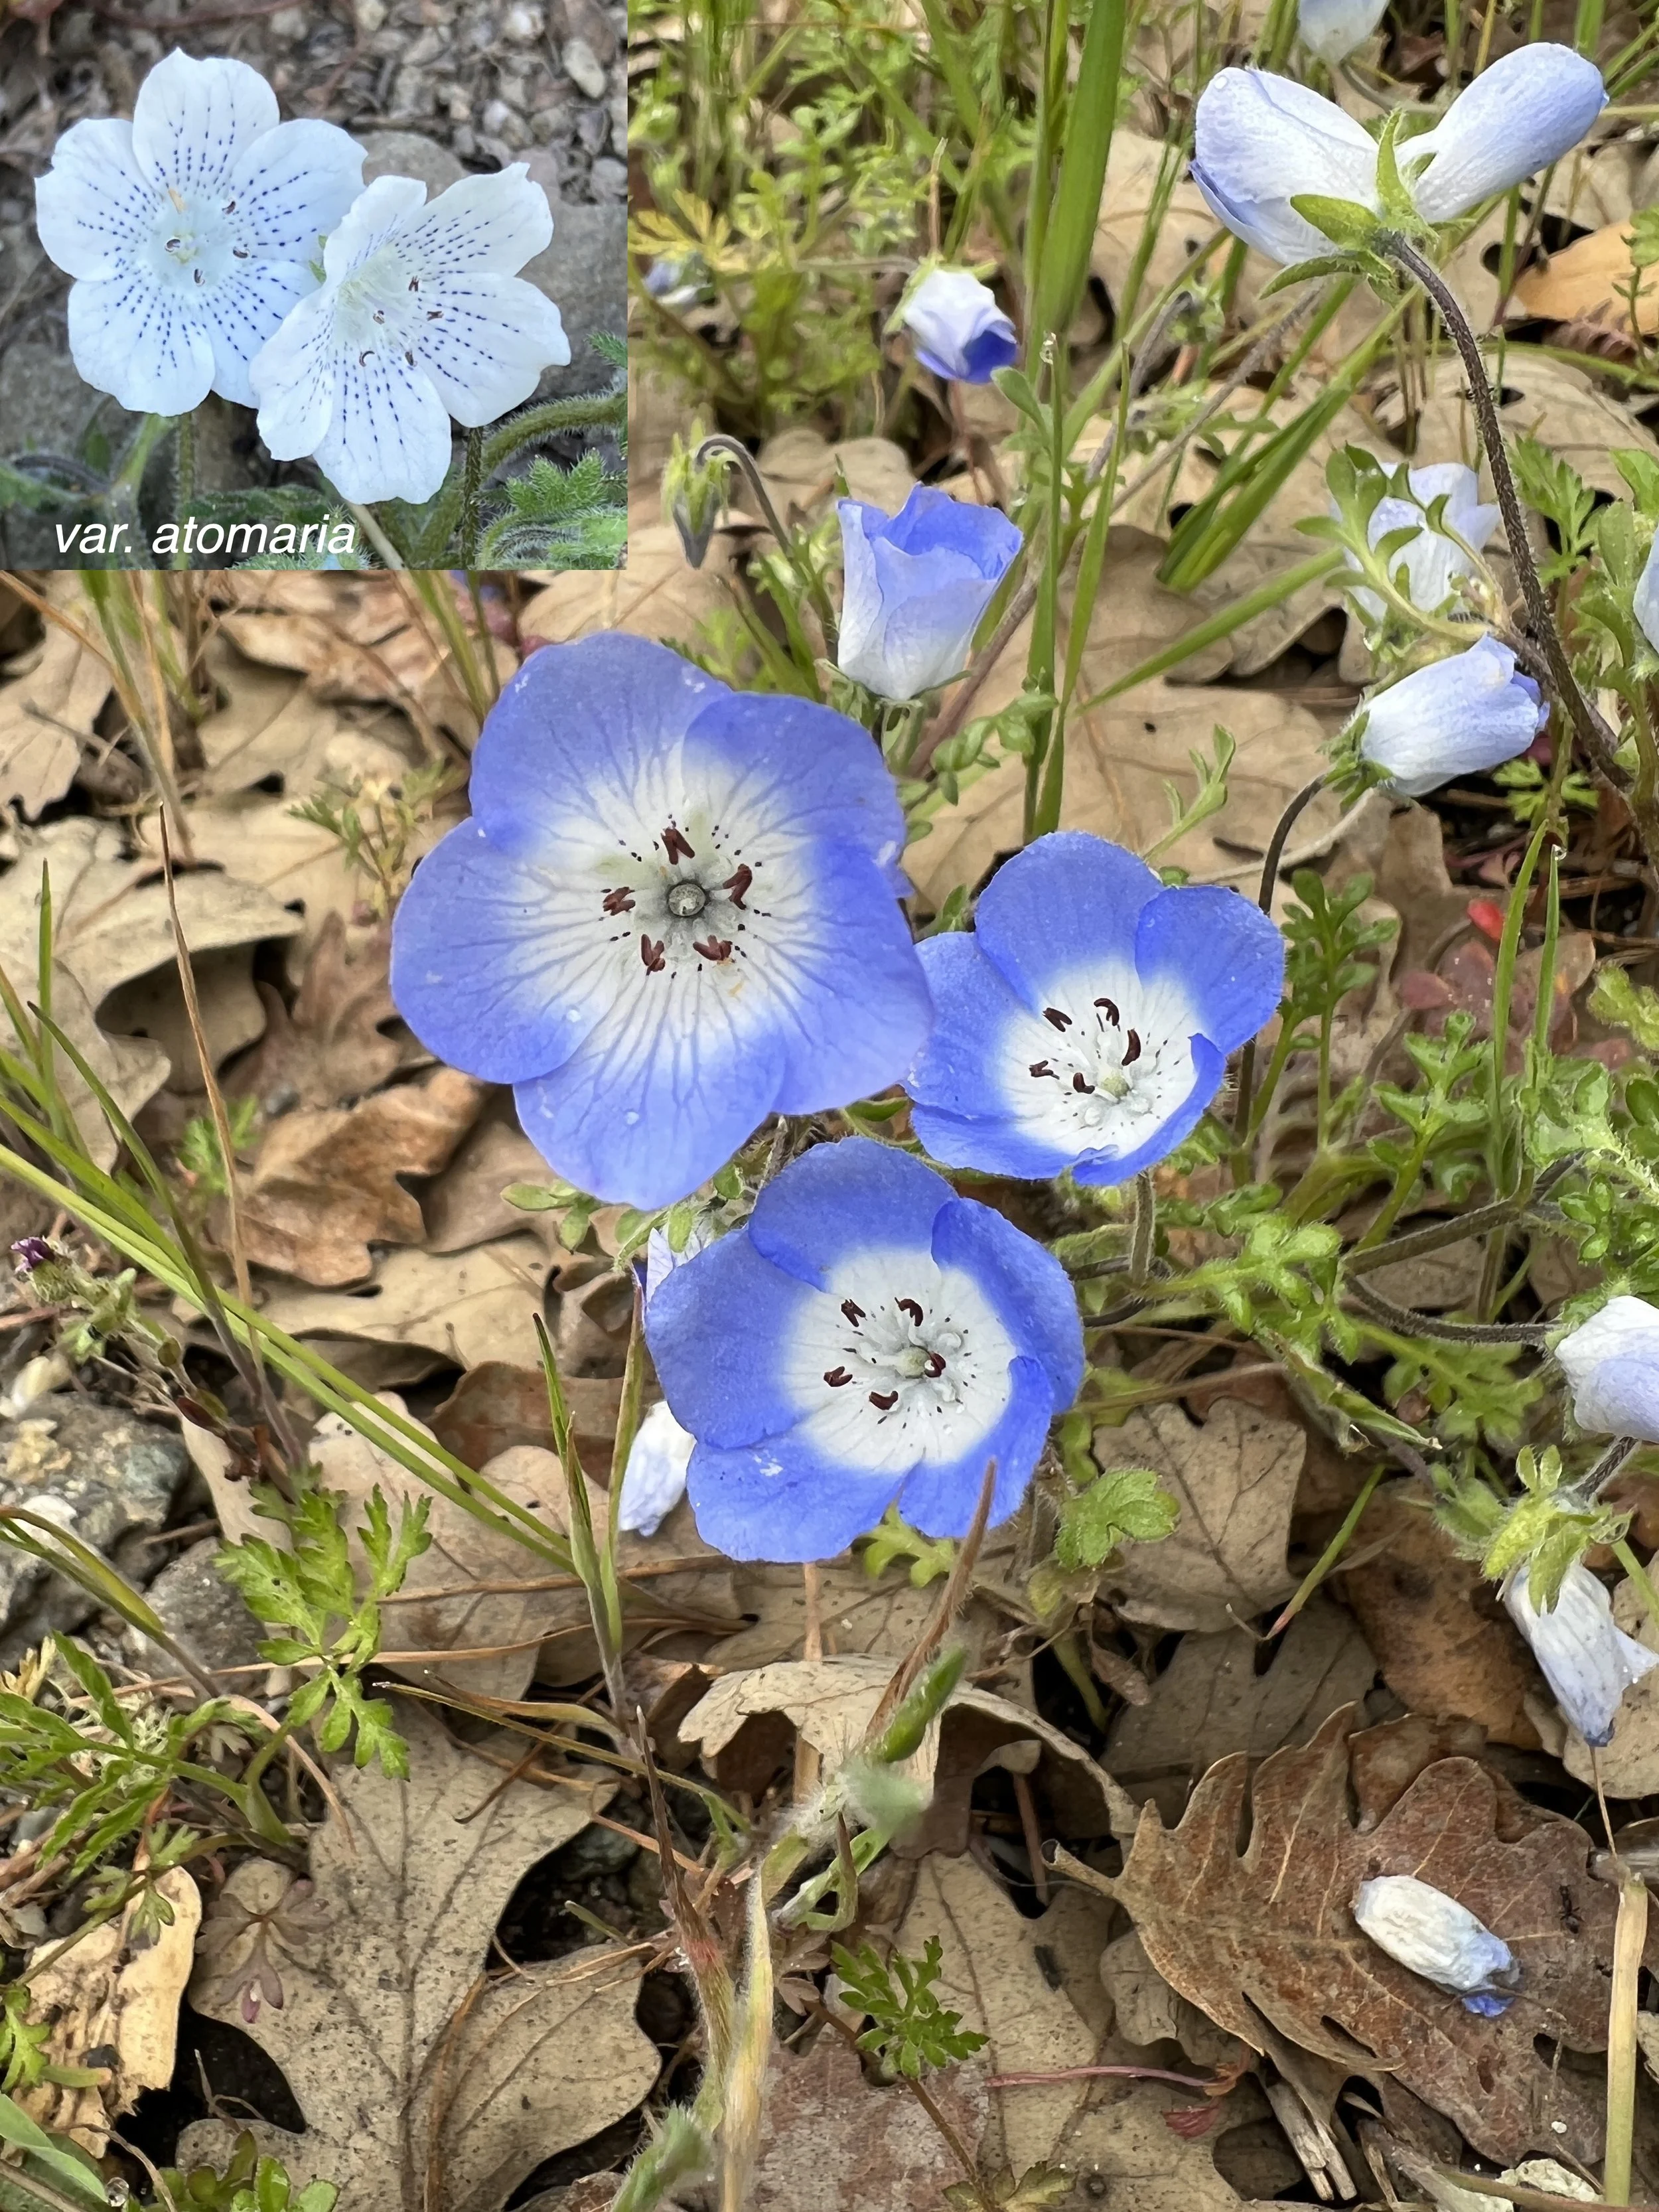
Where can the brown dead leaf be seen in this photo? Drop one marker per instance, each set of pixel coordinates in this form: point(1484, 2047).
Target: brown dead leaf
point(1146, 2010)
point(658, 595)
point(1215, 1697)
point(464, 1206)
point(1560, 404)
point(1590, 280)
point(801, 467)
point(1235, 1475)
point(47, 708)
point(1443, 1649)
point(325, 1187)
point(1266, 1935)
point(494, 1406)
point(882, 1617)
point(109, 1994)
point(458, 1309)
point(423, 2083)
point(832, 2143)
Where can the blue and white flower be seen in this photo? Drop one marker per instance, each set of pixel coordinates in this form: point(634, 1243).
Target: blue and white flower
point(671, 915)
point(1333, 29)
point(654, 1481)
point(868, 1339)
point(917, 583)
point(1085, 1023)
point(420, 316)
point(189, 231)
point(1456, 717)
point(1263, 141)
point(1432, 1934)
point(1612, 1365)
point(1586, 1658)
point(1435, 562)
point(960, 331)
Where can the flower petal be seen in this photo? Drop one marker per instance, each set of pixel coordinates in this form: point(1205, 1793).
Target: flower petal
point(1588, 1661)
point(1220, 951)
point(93, 208)
point(654, 1481)
point(1062, 906)
point(292, 379)
point(1263, 141)
point(130, 339)
point(193, 119)
point(719, 1328)
point(381, 211)
point(1612, 1365)
point(496, 336)
point(816, 1217)
point(1026, 1285)
point(754, 1503)
point(1647, 592)
point(1209, 1066)
point(941, 1500)
point(1455, 717)
point(494, 222)
point(243, 314)
point(1525, 112)
point(388, 436)
point(293, 186)
point(1333, 28)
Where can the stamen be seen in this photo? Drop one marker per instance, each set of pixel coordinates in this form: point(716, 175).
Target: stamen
point(229, 208)
point(619, 902)
point(713, 948)
point(238, 252)
point(677, 847)
point(738, 886)
point(199, 277)
point(1132, 1050)
point(173, 245)
point(408, 356)
point(854, 1314)
point(380, 314)
point(363, 357)
point(909, 1306)
point(414, 283)
point(652, 955)
point(1111, 1011)
point(1081, 1082)
point(935, 1364)
point(1053, 1014)
point(435, 314)
point(885, 1402)
point(835, 1376)
point(1041, 1067)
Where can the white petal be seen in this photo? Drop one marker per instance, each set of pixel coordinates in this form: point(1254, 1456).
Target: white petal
point(1646, 592)
point(389, 434)
point(93, 208)
point(292, 380)
point(1431, 1933)
point(292, 188)
point(381, 210)
point(1525, 112)
point(244, 312)
point(1625, 1331)
point(192, 118)
point(130, 339)
point(654, 1481)
point(1333, 28)
point(1588, 1661)
point(494, 222)
point(496, 336)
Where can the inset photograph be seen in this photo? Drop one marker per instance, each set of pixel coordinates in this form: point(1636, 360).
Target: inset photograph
point(314, 286)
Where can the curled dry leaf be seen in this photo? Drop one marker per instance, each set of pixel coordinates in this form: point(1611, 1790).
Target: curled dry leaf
point(830, 2141)
point(658, 595)
point(1265, 1935)
point(112, 2001)
point(332, 1048)
point(48, 705)
point(425, 2086)
point(1550, 400)
point(1590, 280)
point(455, 1310)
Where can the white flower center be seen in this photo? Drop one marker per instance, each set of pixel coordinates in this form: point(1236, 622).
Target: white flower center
point(1107, 1060)
point(378, 309)
point(195, 243)
point(689, 905)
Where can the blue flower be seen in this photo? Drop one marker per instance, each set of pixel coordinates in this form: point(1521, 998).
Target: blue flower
point(1333, 28)
point(1432, 1934)
point(1086, 1020)
point(1262, 141)
point(1612, 1365)
point(1586, 1658)
point(961, 333)
point(671, 915)
point(868, 1339)
point(1455, 717)
point(916, 584)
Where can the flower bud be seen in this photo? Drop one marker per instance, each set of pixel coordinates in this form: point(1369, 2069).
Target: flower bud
point(1432, 1934)
point(960, 331)
point(1455, 717)
point(694, 493)
point(916, 584)
point(1333, 28)
point(1588, 1661)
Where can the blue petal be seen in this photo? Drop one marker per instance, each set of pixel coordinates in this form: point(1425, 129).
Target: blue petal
point(1525, 111)
point(959, 1071)
point(1228, 956)
point(1209, 1066)
point(656, 1100)
point(931, 521)
point(993, 1145)
point(994, 349)
point(839, 1199)
point(940, 1500)
point(716, 1328)
point(780, 1501)
point(801, 767)
point(476, 970)
point(1487, 2007)
point(1029, 1289)
point(1060, 905)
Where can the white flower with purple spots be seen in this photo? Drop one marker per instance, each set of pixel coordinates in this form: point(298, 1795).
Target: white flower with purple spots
point(421, 316)
point(191, 232)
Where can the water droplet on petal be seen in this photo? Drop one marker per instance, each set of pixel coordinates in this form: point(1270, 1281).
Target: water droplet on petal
point(629, 1118)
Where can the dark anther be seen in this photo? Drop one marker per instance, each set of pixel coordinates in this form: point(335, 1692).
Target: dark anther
point(238, 252)
point(1053, 1014)
point(380, 314)
point(1111, 1011)
point(1042, 1067)
point(651, 954)
point(738, 885)
point(935, 1364)
point(199, 277)
point(414, 283)
point(173, 244)
point(854, 1314)
point(229, 208)
point(619, 902)
point(909, 1306)
point(1081, 1082)
point(408, 356)
point(1132, 1050)
point(676, 846)
point(435, 314)
point(835, 1376)
point(713, 948)
point(884, 1403)
point(363, 357)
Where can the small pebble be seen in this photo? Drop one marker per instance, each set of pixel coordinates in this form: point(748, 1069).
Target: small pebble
point(610, 179)
point(523, 25)
point(288, 23)
point(583, 68)
point(368, 15)
point(497, 117)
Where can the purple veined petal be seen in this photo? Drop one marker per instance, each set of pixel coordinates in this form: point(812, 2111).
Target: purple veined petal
point(497, 335)
point(247, 311)
point(292, 186)
point(1456, 717)
point(388, 435)
point(382, 211)
point(193, 119)
point(494, 223)
point(1529, 109)
point(1612, 1365)
point(1586, 1658)
point(292, 379)
point(1262, 141)
point(95, 208)
point(130, 339)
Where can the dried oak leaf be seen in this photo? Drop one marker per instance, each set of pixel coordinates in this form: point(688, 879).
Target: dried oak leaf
point(1263, 1939)
point(47, 715)
point(326, 1185)
point(425, 2086)
point(831, 2142)
point(332, 1048)
point(1590, 280)
point(458, 1309)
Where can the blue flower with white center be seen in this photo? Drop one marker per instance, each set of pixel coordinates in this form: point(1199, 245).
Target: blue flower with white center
point(671, 914)
point(916, 584)
point(1263, 141)
point(189, 231)
point(1456, 717)
point(1435, 564)
point(1586, 1658)
point(421, 315)
point(1432, 1934)
point(1085, 1023)
point(1333, 28)
point(960, 331)
point(1612, 1365)
point(868, 1339)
